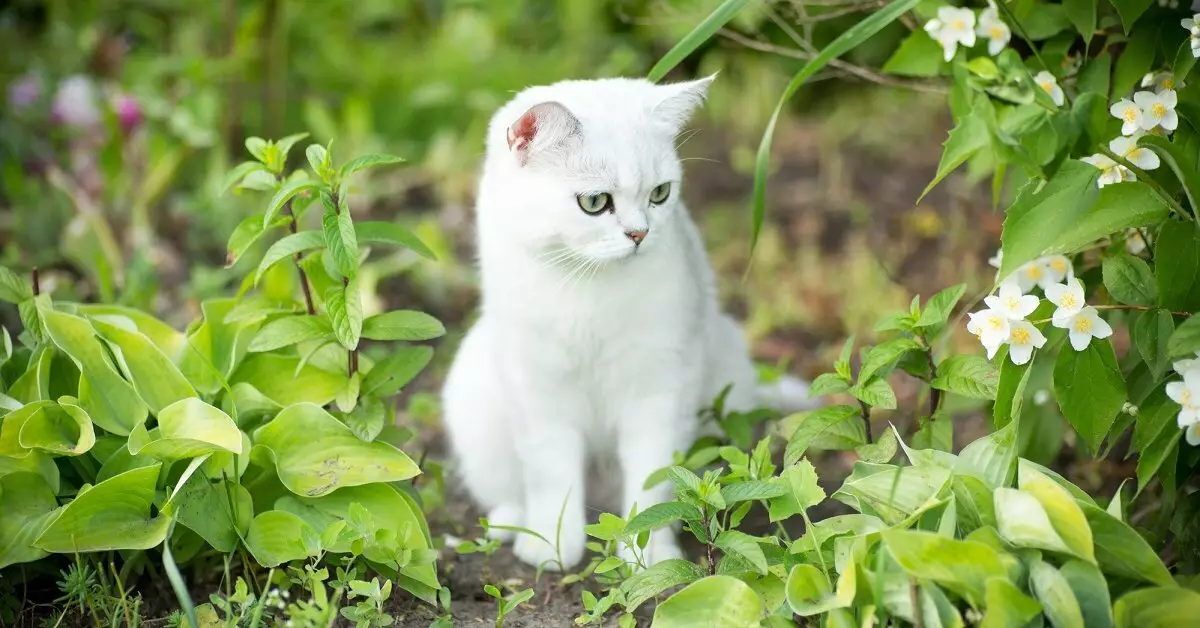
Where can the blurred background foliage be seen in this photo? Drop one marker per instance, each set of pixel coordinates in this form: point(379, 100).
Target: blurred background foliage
point(122, 116)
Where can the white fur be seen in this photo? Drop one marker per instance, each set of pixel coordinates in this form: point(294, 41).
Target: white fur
point(588, 344)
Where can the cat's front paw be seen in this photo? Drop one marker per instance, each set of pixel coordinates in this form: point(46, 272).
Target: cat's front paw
point(535, 552)
point(661, 546)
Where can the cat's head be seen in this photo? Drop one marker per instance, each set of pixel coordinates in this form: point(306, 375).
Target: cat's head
point(588, 170)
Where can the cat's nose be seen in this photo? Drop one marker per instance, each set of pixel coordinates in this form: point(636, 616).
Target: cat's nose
point(636, 236)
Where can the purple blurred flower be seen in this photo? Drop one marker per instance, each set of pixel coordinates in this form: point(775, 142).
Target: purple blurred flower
point(128, 111)
point(25, 91)
point(75, 102)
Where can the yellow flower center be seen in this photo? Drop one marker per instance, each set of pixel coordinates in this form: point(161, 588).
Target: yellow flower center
point(1159, 110)
point(1034, 272)
point(1048, 86)
point(1020, 336)
point(958, 25)
point(1130, 114)
point(995, 322)
point(1083, 325)
point(996, 32)
point(1186, 398)
point(1058, 265)
point(1013, 302)
point(1068, 300)
point(1168, 83)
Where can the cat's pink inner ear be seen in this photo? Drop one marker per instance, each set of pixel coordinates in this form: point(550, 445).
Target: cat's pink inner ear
point(521, 133)
point(541, 127)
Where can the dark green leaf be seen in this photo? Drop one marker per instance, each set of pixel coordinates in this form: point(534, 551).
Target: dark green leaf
point(285, 194)
point(1082, 14)
point(391, 233)
point(813, 425)
point(287, 247)
point(1129, 280)
point(1151, 333)
point(1157, 453)
point(1178, 273)
point(967, 375)
point(696, 38)
point(918, 55)
point(1121, 551)
point(751, 490)
point(660, 515)
point(1131, 10)
point(245, 235)
point(402, 325)
point(290, 330)
point(937, 310)
point(1182, 165)
point(1135, 60)
point(345, 312)
point(1090, 588)
point(967, 138)
point(1185, 341)
point(368, 161)
point(883, 355)
point(1090, 390)
point(387, 377)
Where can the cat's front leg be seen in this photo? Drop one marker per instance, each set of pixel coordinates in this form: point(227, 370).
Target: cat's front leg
point(652, 429)
point(553, 458)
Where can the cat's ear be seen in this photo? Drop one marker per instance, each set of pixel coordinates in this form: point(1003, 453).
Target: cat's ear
point(542, 127)
point(680, 100)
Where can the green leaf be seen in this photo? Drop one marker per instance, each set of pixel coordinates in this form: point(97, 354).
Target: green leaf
point(803, 492)
point(1091, 591)
point(245, 235)
point(1129, 280)
point(368, 161)
point(1064, 512)
point(813, 425)
point(882, 450)
point(1185, 340)
point(918, 55)
point(13, 287)
point(155, 377)
point(745, 547)
point(968, 137)
point(964, 567)
point(846, 41)
point(402, 325)
point(285, 194)
point(808, 592)
point(696, 38)
point(285, 145)
point(345, 311)
point(277, 537)
point(387, 377)
point(1007, 606)
point(1023, 522)
point(828, 384)
point(186, 429)
point(1054, 592)
point(967, 375)
point(877, 393)
point(1123, 552)
point(287, 247)
point(390, 233)
point(115, 514)
point(220, 511)
point(1135, 60)
point(892, 493)
point(1159, 607)
point(29, 311)
point(751, 490)
point(28, 508)
point(318, 158)
point(1151, 333)
point(714, 601)
point(1178, 246)
point(937, 309)
point(311, 384)
point(238, 173)
point(257, 147)
point(1089, 389)
point(61, 428)
point(111, 401)
point(1082, 14)
point(341, 240)
point(290, 330)
point(1130, 11)
point(883, 355)
point(1181, 164)
point(315, 454)
point(991, 459)
point(660, 515)
point(658, 578)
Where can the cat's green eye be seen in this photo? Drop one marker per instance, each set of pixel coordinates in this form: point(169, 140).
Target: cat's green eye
point(594, 203)
point(660, 193)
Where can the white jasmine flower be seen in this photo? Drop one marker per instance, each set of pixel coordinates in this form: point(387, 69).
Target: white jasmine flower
point(1186, 393)
point(1046, 81)
point(1023, 338)
point(1160, 81)
point(1192, 434)
point(1057, 268)
point(1068, 298)
point(994, 29)
point(1189, 366)
point(1193, 33)
point(992, 328)
point(994, 261)
point(1134, 242)
point(75, 102)
point(953, 26)
point(1043, 272)
point(1127, 147)
point(1110, 171)
point(1158, 110)
point(1012, 302)
point(1084, 326)
point(1130, 115)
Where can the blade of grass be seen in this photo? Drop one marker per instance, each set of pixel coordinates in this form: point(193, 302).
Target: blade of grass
point(690, 42)
point(845, 42)
point(177, 584)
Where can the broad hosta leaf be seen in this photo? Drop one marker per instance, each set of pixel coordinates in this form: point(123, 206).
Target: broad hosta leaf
point(1160, 607)
point(697, 37)
point(166, 338)
point(813, 425)
point(1054, 592)
point(115, 514)
point(713, 601)
point(1007, 606)
point(991, 459)
point(745, 547)
point(155, 377)
point(111, 401)
point(1023, 521)
point(13, 287)
point(61, 428)
point(402, 325)
point(1151, 334)
point(1185, 341)
point(1091, 591)
point(186, 429)
point(1122, 551)
point(809, 593)
point(1129, 280)
point(890, 492)
point(658, 578)
point(290, 330)
point(285, 194)
point(310, 384)
point(28, 507)
point(660, 515)
point(287, 247)
point(387, 377)
point(961, 566)
point(368, 161)
point(967, 375)
point(393, 234)
point(1179, 279)
point(1064, 512)
point(315, 454)
point(345, 312)
point(1089, 389)
point(218, 510)
point(277, 537)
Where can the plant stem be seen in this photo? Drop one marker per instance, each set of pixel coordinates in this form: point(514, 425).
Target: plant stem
point(1140, 308)
point(709, 548)
point(935, 395)
point(866, 417)
point(1145, 178)
point(33, 277)
point(294, 228)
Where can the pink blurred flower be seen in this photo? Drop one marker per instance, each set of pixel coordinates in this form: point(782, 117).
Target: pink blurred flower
point(129, 112)
point(75, 103)
point(25, 91)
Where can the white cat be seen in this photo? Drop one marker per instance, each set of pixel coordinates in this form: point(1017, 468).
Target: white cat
point(600, 329)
